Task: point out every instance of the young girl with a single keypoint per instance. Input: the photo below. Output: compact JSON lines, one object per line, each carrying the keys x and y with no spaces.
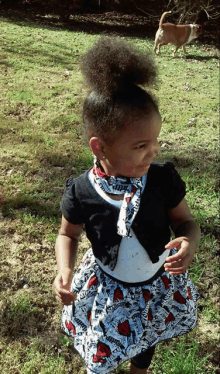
{"x":131,"y":290}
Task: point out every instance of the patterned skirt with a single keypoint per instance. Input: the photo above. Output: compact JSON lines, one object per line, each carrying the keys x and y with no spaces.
{"x":112,"y":322}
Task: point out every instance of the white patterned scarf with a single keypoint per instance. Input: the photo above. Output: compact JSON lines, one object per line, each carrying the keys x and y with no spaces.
{"x":131,"y":188}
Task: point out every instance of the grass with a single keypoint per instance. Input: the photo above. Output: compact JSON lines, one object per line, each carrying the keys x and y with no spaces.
{"x":183,"y":357}
{"x":41,"y":96}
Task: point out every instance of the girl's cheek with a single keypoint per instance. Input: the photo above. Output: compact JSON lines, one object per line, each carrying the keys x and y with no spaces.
{"x":143,"y":156}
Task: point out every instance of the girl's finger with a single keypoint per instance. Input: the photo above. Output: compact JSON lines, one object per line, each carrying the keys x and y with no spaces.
{"x":173,"y":265}
{"x":175,"y":258}
{"x":177,"y":272}
{"x":177,"y":267}
{"x":68,"y":300}
{"x":180,"y":264}
{"x":183,"y":252}
{"x":176,"y":243}
{"x":69,"y":297}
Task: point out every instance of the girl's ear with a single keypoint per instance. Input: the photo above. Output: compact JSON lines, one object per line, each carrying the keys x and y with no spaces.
{"x":96,"y":147}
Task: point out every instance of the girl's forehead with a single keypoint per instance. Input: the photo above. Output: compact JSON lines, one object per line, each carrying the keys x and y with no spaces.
{"x":138,"y":130}
{"x":145,"y":124}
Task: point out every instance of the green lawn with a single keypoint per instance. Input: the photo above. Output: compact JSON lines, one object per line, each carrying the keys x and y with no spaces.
{"x":41,"y":96}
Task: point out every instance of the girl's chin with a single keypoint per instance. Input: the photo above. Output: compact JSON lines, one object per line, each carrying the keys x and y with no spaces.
{"x":138,"y":173}
{"x":142,"y":170}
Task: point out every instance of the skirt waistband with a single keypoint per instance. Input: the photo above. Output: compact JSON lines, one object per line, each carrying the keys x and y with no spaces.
{"x":136,"y":284}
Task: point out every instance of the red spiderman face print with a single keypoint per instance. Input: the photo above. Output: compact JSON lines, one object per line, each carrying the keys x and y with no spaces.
{"x":118,"y":295}
{"x":103,"y":351}
{"x":70,"y":327}
{"x":124,"y":328}
{"x":146,"y":294}
{"x":92,"y":282}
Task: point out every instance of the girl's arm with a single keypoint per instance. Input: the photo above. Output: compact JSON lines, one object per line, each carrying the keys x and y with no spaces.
{"x":187,"y":234}
{"x":66,"y":251}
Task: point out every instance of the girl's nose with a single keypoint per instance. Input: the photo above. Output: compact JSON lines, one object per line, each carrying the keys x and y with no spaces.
{"x":155,"y":149}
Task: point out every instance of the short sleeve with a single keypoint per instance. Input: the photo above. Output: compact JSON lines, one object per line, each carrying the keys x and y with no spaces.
{"x":70,"y":205}
{"x":175,"y":186}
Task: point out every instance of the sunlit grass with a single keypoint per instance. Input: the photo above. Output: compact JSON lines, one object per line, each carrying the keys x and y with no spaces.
{"x":185,"y":357}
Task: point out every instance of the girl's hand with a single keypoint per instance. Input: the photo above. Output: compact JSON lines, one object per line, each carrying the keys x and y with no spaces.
{"x":62,"y":285}
{"x":178,"y":263}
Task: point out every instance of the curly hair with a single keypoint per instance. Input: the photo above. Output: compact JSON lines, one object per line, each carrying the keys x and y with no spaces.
{"x":114,"y":69}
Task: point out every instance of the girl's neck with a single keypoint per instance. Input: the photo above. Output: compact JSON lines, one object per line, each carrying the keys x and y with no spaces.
{"x":107,"y":169}
{"x":115,"y":197}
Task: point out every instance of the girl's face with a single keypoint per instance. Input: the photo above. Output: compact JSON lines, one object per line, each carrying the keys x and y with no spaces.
{"x":134,"y":149}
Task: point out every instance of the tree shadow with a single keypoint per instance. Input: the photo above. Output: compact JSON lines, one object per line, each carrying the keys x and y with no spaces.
{"x":91,"y":23}
{"x":194,"y":158}
{"x":30,"y":53}
{"x":201,"y":58}
{"x":53,"y":170}
{"x":5,"y":63}
{"x":98,"y":22}
{"x":191,"y":57}
{"x":110,"y":23}
{"x":22,"y":320}
{"x":56,"y":168}
{"x":84,"y":23}
{"x":31,"y":205}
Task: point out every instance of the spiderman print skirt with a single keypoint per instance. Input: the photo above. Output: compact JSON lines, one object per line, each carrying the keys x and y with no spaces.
{"x":112,"y":323}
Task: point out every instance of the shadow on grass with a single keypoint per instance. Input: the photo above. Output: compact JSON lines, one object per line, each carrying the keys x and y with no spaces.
{"x":191,"y":57}
{"x":27,"y":204}
{"x":199,"y":161}
{"x":56,"y":168}
{"x":42,"y":198}
{"x":96,"y":22}
{"x":22,"y":317}
{"x":111,"y":23}
{"x":201,"y":58}
{"x":29,"y":54}
{"x":92,"y":23}
{"x":5,"y":63}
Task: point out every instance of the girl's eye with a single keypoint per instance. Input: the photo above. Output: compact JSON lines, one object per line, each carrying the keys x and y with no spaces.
{"x":140,"y":146}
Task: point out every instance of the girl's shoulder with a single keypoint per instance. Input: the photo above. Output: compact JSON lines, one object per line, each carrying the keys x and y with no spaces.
{"x":82,"y":179}
{"x":75,"y":189}
{"x":161,"y":170}
{"x":166,"y":175}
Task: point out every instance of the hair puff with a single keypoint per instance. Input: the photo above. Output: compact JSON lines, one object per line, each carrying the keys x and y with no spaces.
{"x":113,"y":64}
